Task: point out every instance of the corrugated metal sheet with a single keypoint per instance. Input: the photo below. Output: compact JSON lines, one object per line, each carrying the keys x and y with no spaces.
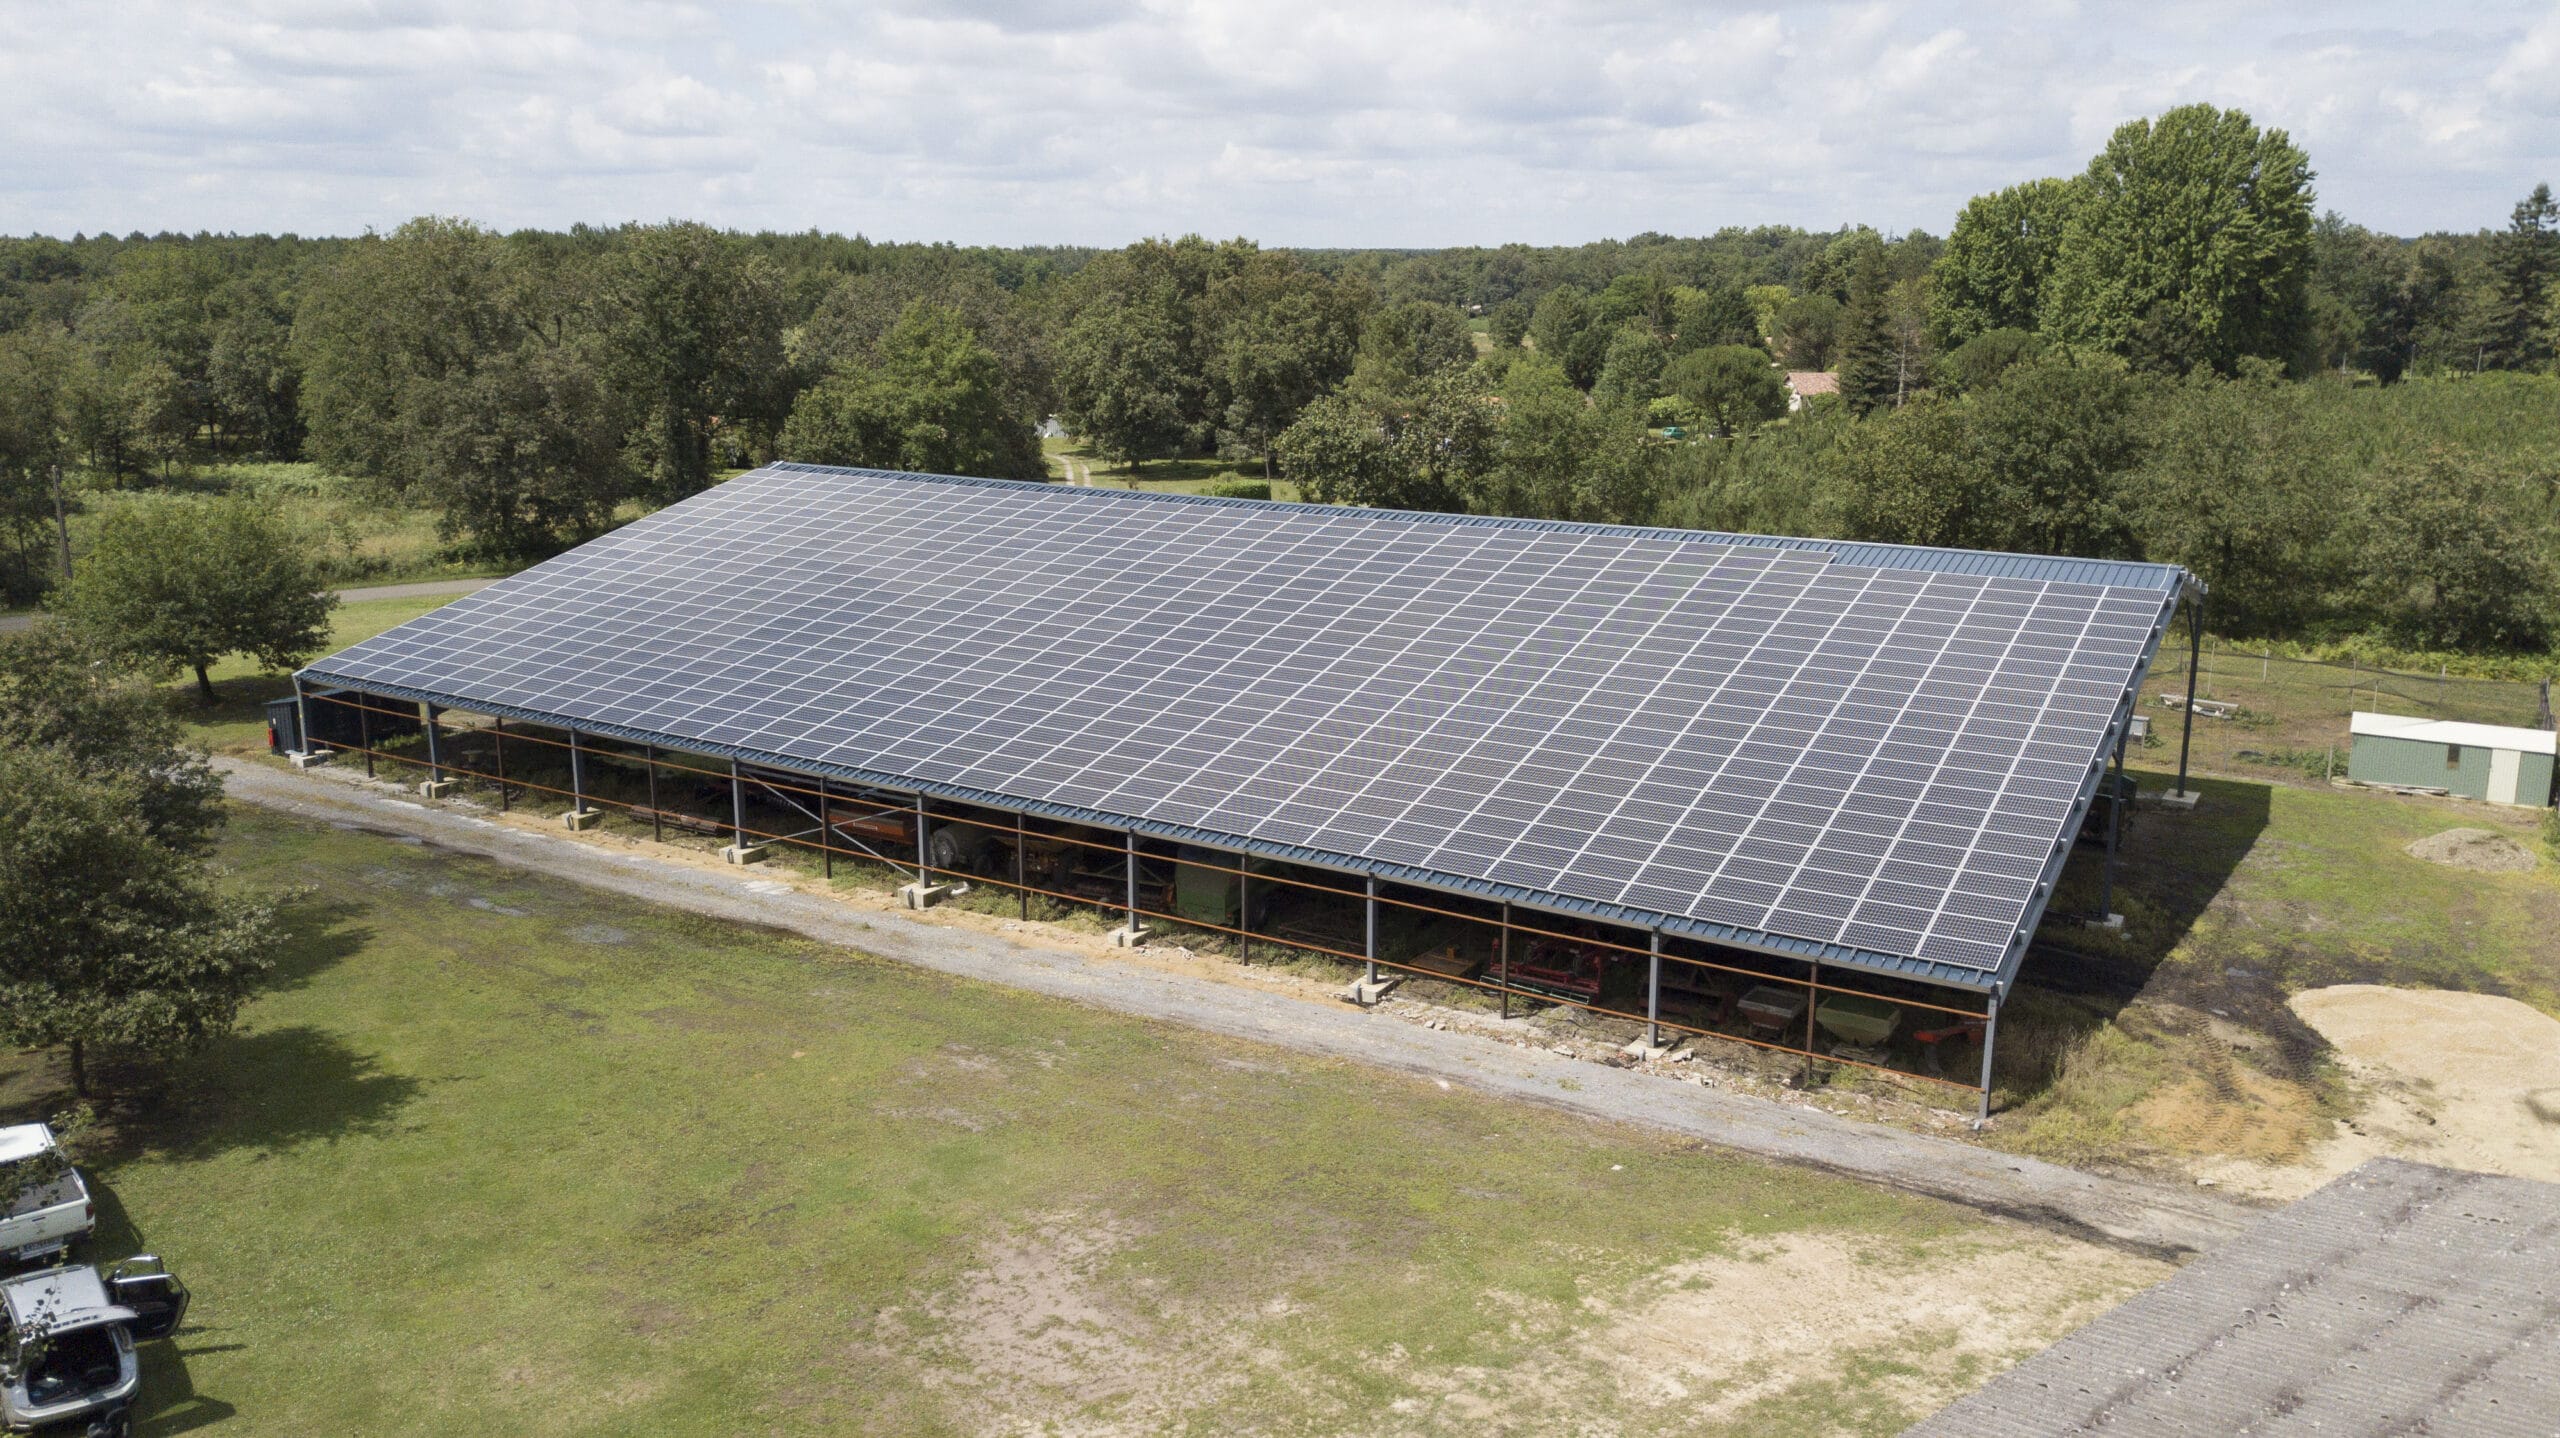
{"x":2400,"y":1299}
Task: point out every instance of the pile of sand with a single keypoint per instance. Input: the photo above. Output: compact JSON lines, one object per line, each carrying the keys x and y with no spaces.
{"x":2475,"y":849}
{"x":2465,"y":1080}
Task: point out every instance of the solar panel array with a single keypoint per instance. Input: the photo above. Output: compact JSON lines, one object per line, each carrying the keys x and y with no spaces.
{"x":1877,"y":758}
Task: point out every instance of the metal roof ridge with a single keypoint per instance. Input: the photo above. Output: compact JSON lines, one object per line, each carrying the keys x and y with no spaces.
{"x":2168,"y":576}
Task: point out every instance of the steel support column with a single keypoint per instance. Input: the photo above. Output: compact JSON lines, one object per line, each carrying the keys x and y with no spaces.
{"x":657,"y":821}
{"x":737,"y":807}
{"x":1021,"y":880}
{"x":2115,"y":826}
{"x":2195,"y":661}
{"x":1369,"y":912}
{"x":498,"y":741}
{"x":1812,"y":1001}
{"x":924,"y":846}
{"x":1244,"y":909}
{"x":301,"y":715}
{"x":1990,"y":1035}
{"x":1506,"y":959}
{"x":364,"y":734}
{"x":826,"y":831}
{"x":1133,"y":883}
{"x":578,"y":774}
{"x":1653,"y":994}
{"x":435,"y":754}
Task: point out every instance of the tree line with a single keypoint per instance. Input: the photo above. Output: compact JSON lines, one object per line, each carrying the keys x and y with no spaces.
{"x":2170,"y":354}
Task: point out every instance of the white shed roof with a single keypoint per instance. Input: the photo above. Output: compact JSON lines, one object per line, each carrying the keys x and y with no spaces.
{"x":2446,"y":731}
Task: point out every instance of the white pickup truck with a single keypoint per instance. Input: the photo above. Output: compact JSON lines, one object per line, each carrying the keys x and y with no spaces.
{"x":44,"y":1205}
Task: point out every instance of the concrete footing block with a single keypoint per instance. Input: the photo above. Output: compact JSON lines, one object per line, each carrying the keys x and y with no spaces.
{"x":1128,"y":936}
{"x":743,"y":854}
{"x":2111,"y":924}
{"x":311,"y":758}
{"x":1365,"y":992}
{"x":1643,"y":1052}
{"x":925,"y":896}
{"x":437,"y":788}
{"x":2179,"y":799}
{"x":581,"y":819}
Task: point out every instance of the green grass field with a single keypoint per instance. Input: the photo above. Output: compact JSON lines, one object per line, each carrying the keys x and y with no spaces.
{"x":499,"y":1155}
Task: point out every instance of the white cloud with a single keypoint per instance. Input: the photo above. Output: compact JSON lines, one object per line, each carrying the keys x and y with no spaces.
{"x":1322,"y":122}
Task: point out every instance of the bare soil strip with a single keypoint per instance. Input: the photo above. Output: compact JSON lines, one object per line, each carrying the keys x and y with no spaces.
{"x":2140,"y":1217}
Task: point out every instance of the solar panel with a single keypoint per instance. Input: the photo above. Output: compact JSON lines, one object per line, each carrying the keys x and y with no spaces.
{"x":1704,"y":728}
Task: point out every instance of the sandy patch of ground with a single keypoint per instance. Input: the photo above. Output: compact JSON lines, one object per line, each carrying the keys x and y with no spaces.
{"x":1047,"y":1333}
{"x":2477,"y":849}
{"x":2232,"y":1109}
{"x":1039,"y":1337}
{"x":2469,"y":1081}
{"x":1728,"y":1343}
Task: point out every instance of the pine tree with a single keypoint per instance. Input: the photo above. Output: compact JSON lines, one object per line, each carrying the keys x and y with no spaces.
{"x":1870,"y":360}
{"x":2514,"y":332}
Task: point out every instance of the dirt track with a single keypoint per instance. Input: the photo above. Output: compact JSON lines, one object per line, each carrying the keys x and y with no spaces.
{"x":2130,"y":1215}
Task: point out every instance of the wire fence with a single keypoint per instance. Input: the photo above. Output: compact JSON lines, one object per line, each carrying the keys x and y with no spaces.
{"x":2259,"y":711}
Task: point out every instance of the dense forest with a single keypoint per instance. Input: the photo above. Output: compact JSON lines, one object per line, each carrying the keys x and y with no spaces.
{"x":2354,"y":437}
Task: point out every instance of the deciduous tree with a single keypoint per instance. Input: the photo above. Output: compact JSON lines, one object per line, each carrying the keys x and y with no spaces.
{"x":180,"y":583}
{"x":2002,"y":250}
{"x":108,"y":936}
{"x":1565,"y":329}
{"x":1806,"y":331}
{"x":1559,"y":456}
{"x":694,"y":322}
{"x":2188,"y":244}
{"x":2236,"y":487}
{"x":1431,"y":453}
{"x":1285,"y":334}
{"x":931,"y":398}
{"x":1135,"y":365}
{"x":1732,"y":387}
{"x":2450,"y":564}
{"x":59,"y":693}
{"x":1632,"y":373}
{"x":1716,"y":315}
{"x":522,"y":452}
{"x":36,"y":367}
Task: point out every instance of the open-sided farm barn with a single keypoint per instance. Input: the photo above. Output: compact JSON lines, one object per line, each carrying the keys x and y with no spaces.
{"x":1767,"y":788}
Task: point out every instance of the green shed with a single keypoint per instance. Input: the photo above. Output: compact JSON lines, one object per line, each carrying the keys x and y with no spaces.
{"x":2475,"y":761}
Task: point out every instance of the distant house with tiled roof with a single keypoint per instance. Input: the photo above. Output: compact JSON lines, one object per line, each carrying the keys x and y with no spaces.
{"x":1804,"y":384}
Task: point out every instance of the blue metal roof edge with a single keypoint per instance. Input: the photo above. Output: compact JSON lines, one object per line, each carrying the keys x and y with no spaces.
{"x":1996,"y":564}
{"x":1900,"y":966}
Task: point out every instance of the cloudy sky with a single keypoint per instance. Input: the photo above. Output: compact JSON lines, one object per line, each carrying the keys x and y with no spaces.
{"x":1304,"y":122}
